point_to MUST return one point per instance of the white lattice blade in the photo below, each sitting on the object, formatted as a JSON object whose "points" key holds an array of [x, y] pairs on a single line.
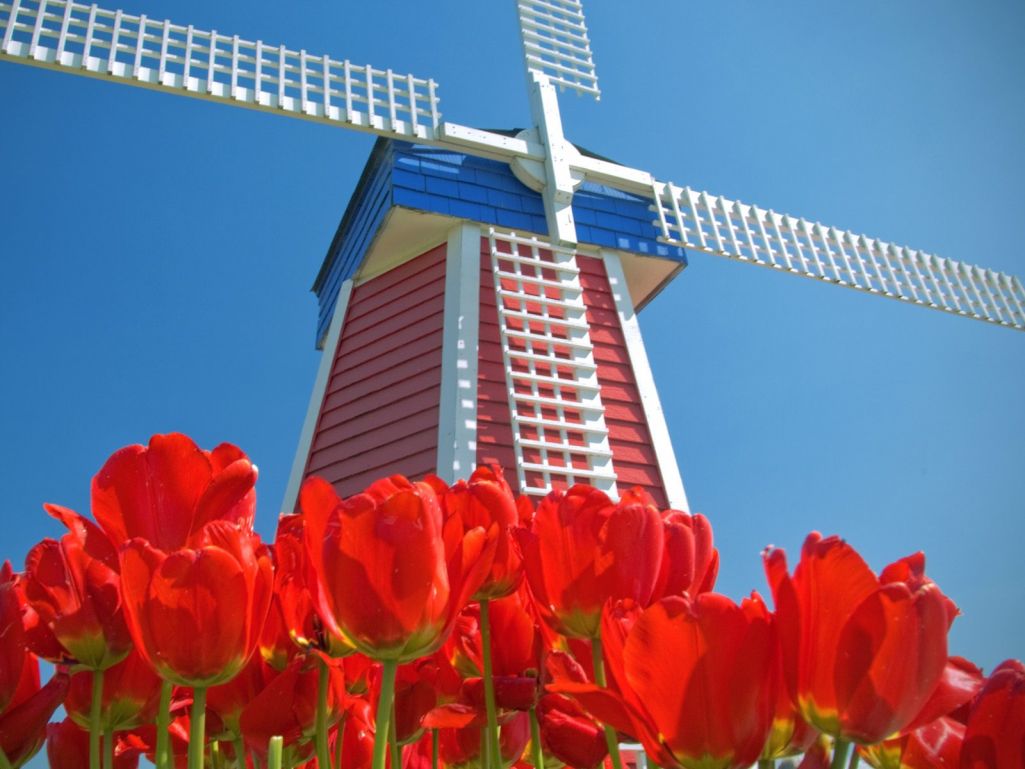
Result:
{"points": [[555, 43], [751, 234], [113, 45]]}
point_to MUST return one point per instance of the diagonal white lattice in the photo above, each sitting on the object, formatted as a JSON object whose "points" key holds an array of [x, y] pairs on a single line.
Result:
{"points": [[114, 45], [747, 233], [555, 43], [558, 421]]}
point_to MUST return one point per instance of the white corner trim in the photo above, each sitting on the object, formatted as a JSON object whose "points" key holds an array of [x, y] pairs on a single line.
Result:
{"points": [[457, 414], [327, 359], [652, 406]]}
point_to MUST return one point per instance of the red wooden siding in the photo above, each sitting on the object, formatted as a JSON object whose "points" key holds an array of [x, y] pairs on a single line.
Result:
{"points": [[494, 433], [380, 409], [633, 456]]}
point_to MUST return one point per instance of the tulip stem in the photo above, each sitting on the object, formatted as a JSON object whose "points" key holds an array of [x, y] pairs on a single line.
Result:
{"points": [[537, 757], [197, 728], [598, 663], [163, 724], [766, 763], [274, 752], [95, 732], [239, 745], [855, 760], [323, 756], [340, 739], [489, 686], [4, 761], [434, 749], [384, 702], [108, 749], [840, 748], [393, 739]]}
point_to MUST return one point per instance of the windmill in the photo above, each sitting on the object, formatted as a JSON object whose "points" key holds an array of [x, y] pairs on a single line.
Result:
{"points": [[780, 279]]}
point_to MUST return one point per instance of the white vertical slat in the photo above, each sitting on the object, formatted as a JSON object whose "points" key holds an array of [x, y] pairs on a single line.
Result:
{"points": [[65, 23], [303, 100], [37, 28], [778, 234], [12, 22], [140, 39], [233, 90], [211, 61], [281, 77], [327, 86], [457, 412], [350, 114], [187, 64], [115, 36], [392, 113], [163, 50], [433, 98], [413, 117], [90, 29], [258, 73], [370, 93]]}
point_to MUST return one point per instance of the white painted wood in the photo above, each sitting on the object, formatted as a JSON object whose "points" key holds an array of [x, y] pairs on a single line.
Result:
{"points": [[555, 44], [457, 413], [672, 482], [559, 185], [555, 408], [717, 226], [327, 359]]}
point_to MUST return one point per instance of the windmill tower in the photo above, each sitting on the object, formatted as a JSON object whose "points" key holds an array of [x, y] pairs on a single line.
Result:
{"points": [[562, 244]]}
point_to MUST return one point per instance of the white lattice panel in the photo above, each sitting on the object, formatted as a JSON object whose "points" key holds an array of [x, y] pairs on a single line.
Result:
{"points": [[89, 40], [558, 421], [555, 43], [747, 233]]}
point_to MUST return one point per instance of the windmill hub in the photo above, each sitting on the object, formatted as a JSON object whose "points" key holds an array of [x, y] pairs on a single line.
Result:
{"points": [[532, 174]]}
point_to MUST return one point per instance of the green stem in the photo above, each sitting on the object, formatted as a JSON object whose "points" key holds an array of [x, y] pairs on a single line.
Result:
{"points": [[489, 686], [163, 724], [599, 678], [197, 729], [393, 741], [274, 753], [95, 732], [339, 741], [766, 763], [384, 702], [537, 757], [323, 756], [5, 763], [434, 749], [240, 751], [855, 759], [840, 748], [108, 749]]}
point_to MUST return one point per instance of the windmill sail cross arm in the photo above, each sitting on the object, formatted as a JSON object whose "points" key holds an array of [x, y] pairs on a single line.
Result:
{"points": [[158, 54], [721, 227]]}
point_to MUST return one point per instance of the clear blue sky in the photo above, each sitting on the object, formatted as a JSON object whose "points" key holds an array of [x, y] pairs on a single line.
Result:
{"points": [[157, 254]]}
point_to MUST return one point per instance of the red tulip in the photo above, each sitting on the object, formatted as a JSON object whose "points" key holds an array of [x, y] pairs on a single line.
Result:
{"points": [[224, 703], [695, 681], [960, 682], [13, 653], [67, 747], [287, 706], [862, 655], [23, 721], [937, 745], [484, 500], [74, 589], [195, 614], [131, 692], [167, 492], [390, 582], [995, 733], [582, 550], [569, 734], [690, 562], [356, 731], [460, 745]]}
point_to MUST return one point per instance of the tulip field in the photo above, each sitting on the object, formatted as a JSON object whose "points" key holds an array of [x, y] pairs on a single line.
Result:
{"points": [[425, 625]]}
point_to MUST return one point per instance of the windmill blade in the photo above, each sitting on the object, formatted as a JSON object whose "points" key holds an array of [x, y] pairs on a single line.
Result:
{"points": [[555, 43], [157, 54], [722, 227]]}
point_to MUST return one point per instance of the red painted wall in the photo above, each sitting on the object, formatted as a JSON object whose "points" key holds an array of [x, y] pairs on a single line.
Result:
{"points": [[380, 409]]}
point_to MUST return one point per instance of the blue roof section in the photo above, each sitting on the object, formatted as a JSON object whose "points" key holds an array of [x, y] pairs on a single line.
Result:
{"points": [[469, 187]]}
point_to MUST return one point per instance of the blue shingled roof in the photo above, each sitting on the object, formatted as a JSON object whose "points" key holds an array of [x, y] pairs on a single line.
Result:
{"points": [[470, 187]]}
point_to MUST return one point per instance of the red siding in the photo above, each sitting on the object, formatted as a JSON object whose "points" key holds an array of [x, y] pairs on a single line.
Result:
{"points": [[632, 453], [380, 409], [494, 433]]}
